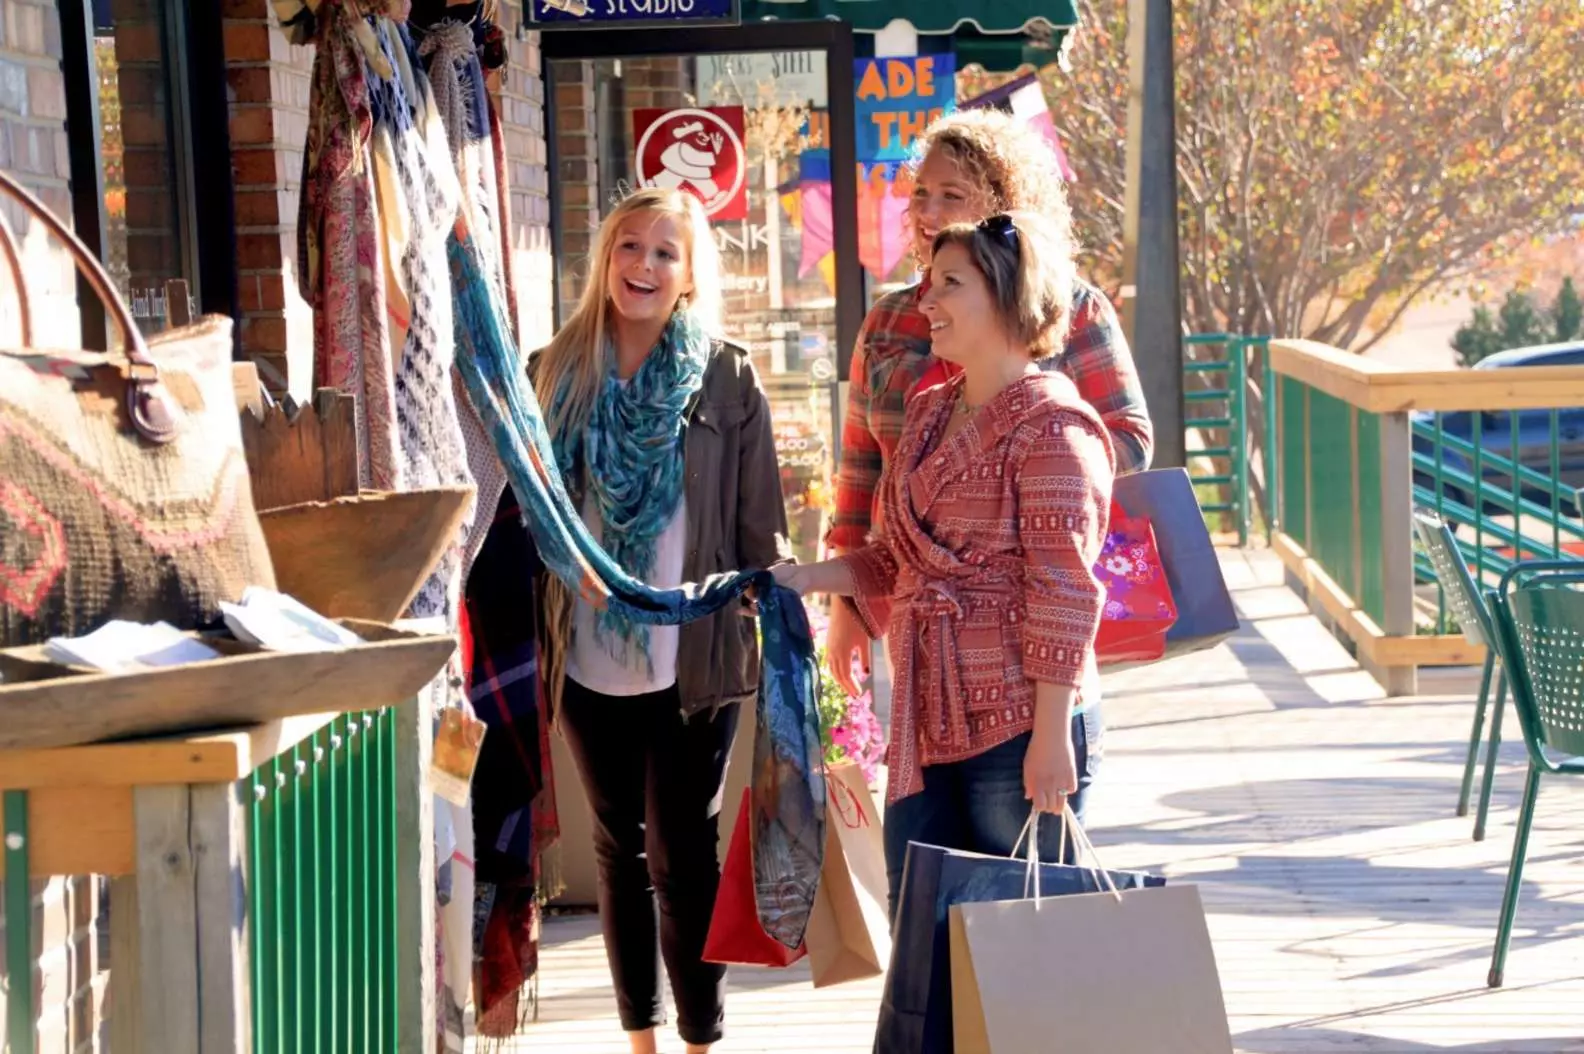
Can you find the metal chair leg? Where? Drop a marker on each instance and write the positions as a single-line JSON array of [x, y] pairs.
[[1490, 756], [1476, 733], [1514, 878]]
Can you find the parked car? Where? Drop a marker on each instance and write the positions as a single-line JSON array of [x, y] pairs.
[[1496, 436]]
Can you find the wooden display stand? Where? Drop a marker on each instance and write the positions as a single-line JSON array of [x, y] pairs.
[[164, 820]]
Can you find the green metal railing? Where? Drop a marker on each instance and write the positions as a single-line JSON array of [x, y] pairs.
[[1215, 393], [1330, 464], [1505, 500], [1356, 453], [322, 860]]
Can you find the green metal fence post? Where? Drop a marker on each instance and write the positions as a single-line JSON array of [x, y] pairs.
[[21, 1018], [1237, 384]]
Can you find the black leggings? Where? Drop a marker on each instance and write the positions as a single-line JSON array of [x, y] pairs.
[[654, 782]]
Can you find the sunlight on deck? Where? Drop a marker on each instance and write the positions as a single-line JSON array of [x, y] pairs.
[[1350, 909]]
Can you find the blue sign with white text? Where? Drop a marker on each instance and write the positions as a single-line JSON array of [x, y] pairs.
[[568, 14]]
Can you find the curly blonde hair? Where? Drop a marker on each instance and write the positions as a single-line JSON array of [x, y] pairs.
[[1011, 160]]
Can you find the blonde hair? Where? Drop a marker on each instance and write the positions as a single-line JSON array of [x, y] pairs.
[[575, 356], [1027, 263], [1012, 163]]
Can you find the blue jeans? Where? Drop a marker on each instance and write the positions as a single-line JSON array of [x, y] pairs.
[[978, 805]]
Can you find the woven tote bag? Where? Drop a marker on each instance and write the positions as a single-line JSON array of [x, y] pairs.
[[124, 491]]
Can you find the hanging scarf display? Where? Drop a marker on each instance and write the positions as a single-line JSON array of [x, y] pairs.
[[788, 779], [339, 260], [428, 422], [629, 458]]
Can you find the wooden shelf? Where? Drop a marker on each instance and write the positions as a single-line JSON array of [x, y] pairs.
[[80, 798]]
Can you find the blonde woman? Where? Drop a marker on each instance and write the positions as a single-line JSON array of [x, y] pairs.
[[994, 506], [662, 432]]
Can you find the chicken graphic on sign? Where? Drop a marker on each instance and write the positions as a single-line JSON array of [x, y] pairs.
[[699, 150]]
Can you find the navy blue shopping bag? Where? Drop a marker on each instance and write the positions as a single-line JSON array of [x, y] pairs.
[[916, 1010]]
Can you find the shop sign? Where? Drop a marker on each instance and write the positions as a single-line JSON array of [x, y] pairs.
[[570, 14], [697, 149], [897, 98], [780, 78]]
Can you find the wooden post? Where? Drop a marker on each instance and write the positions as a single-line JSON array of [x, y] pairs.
[[415, 878], [1397, 562], [179, 926]]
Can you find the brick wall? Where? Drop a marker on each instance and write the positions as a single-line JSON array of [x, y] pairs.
[[267, 85], [33, 149], [527, 180]]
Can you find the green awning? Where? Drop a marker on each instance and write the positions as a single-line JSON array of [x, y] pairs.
[[1013, 17], [1038, 46]]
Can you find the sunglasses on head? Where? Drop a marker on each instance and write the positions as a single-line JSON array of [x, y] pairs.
[[1002, 227]]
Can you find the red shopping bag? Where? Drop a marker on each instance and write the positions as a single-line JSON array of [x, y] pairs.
[[735, 935], [1139, 608]]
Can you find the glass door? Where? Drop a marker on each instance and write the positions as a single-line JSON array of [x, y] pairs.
[[746, 125]]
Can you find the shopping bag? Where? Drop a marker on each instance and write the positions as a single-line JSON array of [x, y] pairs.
[[1139, 609], [916, 1005], [735, 934], [1069, 975], [1205, 613], [848, 935]]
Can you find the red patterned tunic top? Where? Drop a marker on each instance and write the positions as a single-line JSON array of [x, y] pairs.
[[982, 574]]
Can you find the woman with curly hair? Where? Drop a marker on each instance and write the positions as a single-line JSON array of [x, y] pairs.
[[971, 165]]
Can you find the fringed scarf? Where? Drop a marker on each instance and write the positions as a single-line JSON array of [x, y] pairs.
[[629, 456]]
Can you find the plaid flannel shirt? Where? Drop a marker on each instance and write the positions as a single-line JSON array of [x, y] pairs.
[[893, 356]]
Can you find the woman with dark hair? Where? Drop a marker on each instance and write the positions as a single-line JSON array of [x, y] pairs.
[[993, 506]]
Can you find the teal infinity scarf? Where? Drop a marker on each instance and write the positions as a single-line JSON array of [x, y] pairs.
[[630, 459], [788, 774]]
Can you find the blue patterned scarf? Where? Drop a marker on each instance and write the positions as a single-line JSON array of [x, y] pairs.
[[788, 777], [630, 458]]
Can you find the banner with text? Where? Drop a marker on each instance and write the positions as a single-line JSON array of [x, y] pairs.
[[897, 98]]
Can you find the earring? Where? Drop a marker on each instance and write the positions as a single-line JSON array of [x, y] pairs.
[[682, 302]]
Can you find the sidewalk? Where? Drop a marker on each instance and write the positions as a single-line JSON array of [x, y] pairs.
[[1350, 909]]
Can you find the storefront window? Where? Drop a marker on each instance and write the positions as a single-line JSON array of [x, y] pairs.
[[145, 245]]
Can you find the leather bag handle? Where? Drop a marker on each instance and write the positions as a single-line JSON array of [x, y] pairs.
[[150, 414]]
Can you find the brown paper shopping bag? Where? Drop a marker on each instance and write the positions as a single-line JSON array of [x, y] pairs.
[[1128, 972], [848, 935]]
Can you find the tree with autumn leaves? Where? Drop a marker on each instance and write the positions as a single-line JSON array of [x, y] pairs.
[[1336, 159]]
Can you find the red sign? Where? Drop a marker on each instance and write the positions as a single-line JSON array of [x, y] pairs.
[[699, 150]]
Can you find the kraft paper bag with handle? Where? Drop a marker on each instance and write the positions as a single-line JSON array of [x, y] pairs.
[[1123, 971], [848, 934], [916, 1006]]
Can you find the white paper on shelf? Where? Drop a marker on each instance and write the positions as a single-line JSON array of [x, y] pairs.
[[277, 622], [120, 647]]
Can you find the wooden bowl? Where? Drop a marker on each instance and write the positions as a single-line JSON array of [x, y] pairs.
[[363, 557]]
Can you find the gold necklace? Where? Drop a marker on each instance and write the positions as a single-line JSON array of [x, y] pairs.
[[962, 404]]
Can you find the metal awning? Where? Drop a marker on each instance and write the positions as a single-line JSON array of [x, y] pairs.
[[927, 16]]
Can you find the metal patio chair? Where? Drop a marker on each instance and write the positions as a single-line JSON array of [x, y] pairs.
[[1468, 607], [1537, 619]]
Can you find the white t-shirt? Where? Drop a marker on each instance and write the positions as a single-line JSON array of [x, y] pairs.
[[589, 662]]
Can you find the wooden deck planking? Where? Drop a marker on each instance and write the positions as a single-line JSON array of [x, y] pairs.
[[1350, 909]]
